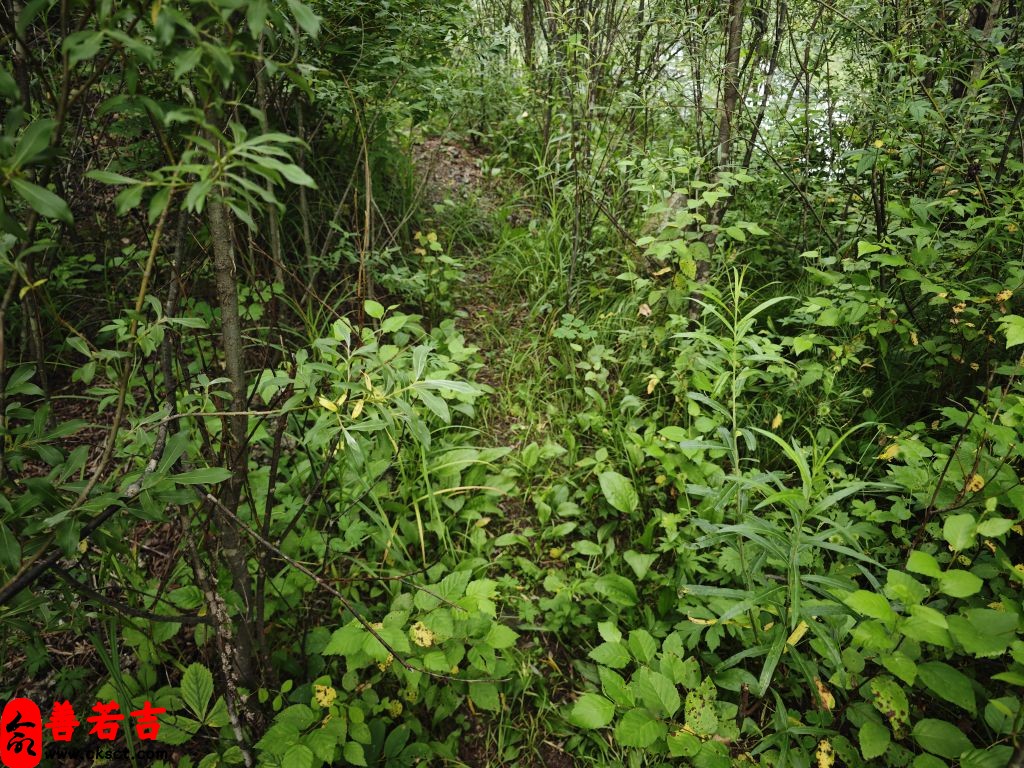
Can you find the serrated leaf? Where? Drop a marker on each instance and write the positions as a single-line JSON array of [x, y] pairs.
[[297, 756], [656, 691], [618, 589], [874, 739], [638, 728], [612, 655], [197, 689], [592, 711]]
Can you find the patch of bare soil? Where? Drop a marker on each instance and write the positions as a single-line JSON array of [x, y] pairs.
[[448, 170]]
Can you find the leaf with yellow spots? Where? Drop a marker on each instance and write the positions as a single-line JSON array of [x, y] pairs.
[[975, 484], [890, 453], [422, 635], [825, 698], [325, 695], [824, 754]]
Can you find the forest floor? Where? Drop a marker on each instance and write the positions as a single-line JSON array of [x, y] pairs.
[[495, 315]]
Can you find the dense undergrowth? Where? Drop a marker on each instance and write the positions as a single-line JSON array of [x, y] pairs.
[[612, 383]]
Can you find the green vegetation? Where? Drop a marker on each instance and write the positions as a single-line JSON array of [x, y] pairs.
[[633, 382]]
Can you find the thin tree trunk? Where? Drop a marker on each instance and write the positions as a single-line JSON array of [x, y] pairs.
[[236, 440], [773, 62], [727, 117]]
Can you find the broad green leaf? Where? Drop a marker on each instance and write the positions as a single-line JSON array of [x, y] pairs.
[[592, 711], [43, 201], [941, 738], [923, 563], [874, 739], [612, 655], [958, 583], [353, 753], [995, 526], [297, 756], [485, 696], [656, 691], [640, 563], [948, 683], [374, 309], [501, 636], [901, 666], [618, 589], [619, 491], [1013, 328], [614, 687], [347, 640], [197, 689], [683, 744], [674, 434], [638, 728], [305, 18], [33, 141], [870, 604], [643, 645], [959, 531], [903, 588]]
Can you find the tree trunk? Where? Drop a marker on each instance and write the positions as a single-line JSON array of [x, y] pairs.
[[236, 439], [726, 121]]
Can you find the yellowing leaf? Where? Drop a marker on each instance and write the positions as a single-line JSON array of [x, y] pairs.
[[976, 483], [644, 311], [824, 754], [358, 408], [422, 635], [328, 404], [879, 144], [890, 453], [27, 288], [796, 634], [827, 699], [651, 384], [325, 695], [704, 622], [777, 421]]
